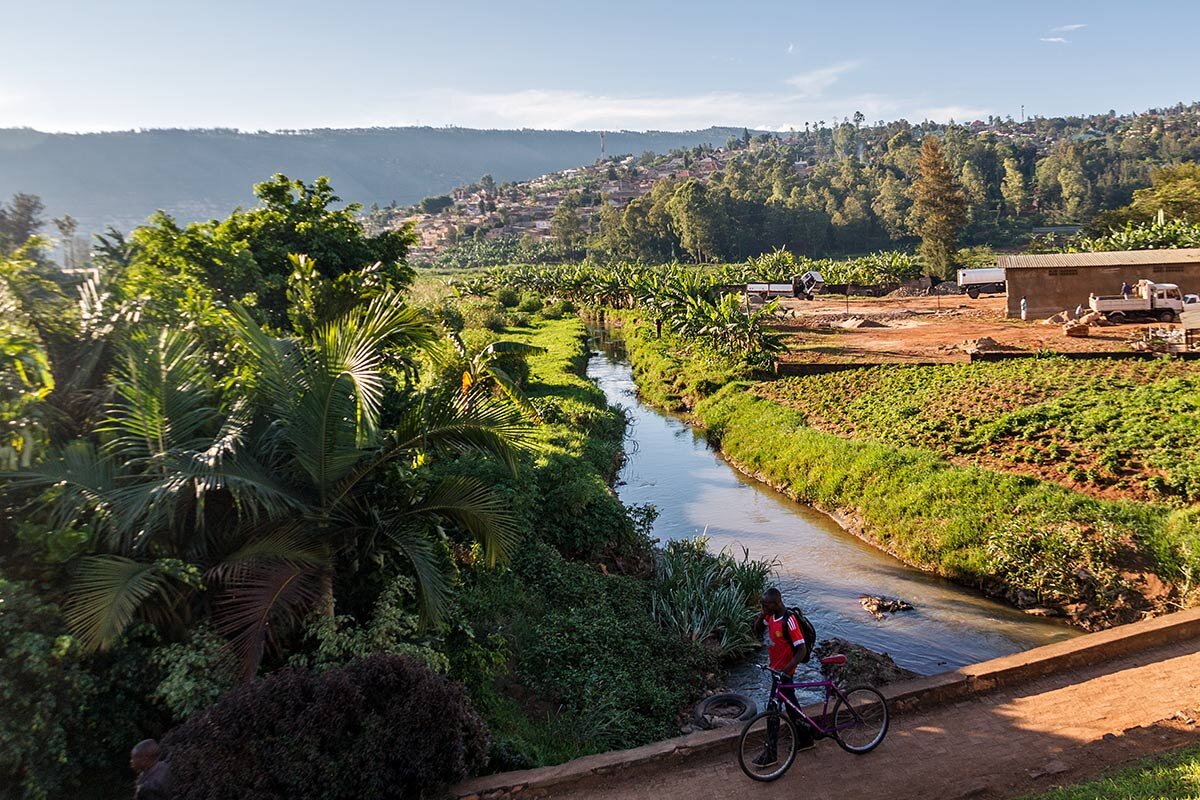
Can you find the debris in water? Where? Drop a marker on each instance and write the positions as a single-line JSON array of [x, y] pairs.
[[877, 604]]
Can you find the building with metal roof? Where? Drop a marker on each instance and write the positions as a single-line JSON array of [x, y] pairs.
[[1052, 282]]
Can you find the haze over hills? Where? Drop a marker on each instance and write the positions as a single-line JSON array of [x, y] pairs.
[[119, 178]]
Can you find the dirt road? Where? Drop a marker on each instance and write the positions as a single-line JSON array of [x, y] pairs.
[[1060, 729]]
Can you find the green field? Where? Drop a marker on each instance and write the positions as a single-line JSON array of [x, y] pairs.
[[1109, 428]]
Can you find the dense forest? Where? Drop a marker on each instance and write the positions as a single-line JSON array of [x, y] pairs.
[[120, 178]]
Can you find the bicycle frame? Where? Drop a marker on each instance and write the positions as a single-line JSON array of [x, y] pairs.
[[831, 690]]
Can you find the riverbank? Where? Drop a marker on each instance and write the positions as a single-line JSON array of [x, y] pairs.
[[1037, 544]]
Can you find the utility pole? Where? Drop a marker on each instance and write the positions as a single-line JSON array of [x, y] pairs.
[[601, 145], [1022, 112]]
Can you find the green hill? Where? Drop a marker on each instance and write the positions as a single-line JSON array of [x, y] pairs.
[[121, 177]]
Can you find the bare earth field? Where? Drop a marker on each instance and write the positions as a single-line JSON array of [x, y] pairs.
[[925, 330]]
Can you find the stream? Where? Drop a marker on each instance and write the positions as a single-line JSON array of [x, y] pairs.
[[822, 568]]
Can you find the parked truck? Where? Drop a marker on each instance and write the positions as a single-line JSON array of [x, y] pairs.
[[1146, 300], [981, 281]]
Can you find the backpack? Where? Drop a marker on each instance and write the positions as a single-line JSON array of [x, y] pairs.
[[807, 628]]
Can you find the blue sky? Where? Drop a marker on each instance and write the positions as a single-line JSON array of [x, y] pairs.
[[72, 65]]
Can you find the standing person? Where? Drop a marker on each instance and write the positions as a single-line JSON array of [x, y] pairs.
[[787, 650], [1024, 308], [1125, 289], [154, 774]]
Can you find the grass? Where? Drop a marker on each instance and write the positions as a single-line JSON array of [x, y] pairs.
[[1171, 777]]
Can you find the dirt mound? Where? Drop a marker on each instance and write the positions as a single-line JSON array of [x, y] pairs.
[[984, 344], [853, 323]]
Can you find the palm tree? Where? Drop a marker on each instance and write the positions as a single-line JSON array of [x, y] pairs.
[[487, 364], [238, 504]]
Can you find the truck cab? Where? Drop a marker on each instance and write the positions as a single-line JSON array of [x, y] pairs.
[[1161, 301]]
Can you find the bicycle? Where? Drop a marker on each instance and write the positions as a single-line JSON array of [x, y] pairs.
[[768, 746]]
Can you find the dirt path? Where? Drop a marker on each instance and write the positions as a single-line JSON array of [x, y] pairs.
[[1061, 729]]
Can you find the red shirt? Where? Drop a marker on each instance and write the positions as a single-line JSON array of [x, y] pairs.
[[781, 652]]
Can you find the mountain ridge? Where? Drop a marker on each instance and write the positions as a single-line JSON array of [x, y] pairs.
[[121, 177]]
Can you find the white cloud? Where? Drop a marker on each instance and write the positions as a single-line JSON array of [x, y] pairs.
[[814, 82], [561, 109], [1065, 28], [791, 48], [956, 113], [1055, 40]]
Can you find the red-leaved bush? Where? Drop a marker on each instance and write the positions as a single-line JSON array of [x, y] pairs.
[[384, 726]]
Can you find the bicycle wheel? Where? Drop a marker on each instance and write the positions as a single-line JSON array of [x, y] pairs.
[[767, 746], [860, 721]]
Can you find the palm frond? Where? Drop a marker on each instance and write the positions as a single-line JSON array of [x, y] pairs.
[[81, 479], [106, 595], [166, 400], [272, 596], [475, 507], [411, 538]]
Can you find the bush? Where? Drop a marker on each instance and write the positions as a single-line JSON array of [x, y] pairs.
[[507, 297], [382, 726], [556, 310], [43, 691], [530, 303], [708, 597]]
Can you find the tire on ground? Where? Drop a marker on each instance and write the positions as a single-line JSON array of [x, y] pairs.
[[703, 712]]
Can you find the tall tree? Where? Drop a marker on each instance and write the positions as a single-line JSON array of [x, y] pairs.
[[1013, 188], [20, 220], [939, 206]]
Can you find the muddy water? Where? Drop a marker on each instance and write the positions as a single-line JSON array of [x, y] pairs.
[[822, 568]]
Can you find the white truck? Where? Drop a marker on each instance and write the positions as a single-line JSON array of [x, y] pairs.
[[981, 281], [1146, 300]]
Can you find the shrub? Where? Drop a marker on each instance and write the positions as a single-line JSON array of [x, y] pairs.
[[709, 597], [197, 673], [530, 303], [43, 691], [382, 726], [507, 297]]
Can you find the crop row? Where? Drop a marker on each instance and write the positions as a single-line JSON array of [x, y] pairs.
[[1127, 426]]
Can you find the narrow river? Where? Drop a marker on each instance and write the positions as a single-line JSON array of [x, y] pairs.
[[822, 568]]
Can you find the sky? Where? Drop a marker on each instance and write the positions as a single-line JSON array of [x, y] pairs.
[[88, 65]]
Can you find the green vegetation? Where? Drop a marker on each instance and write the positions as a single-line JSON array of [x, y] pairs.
[[1173, 776], [240, 478], [1093, 425], [939, 206], [872, 445]]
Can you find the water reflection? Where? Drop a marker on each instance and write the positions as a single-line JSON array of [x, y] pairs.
[[823, 569]]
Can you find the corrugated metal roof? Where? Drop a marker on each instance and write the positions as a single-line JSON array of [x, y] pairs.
[[1119, 258]]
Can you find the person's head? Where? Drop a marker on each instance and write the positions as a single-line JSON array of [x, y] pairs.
[[144, 755], [772, 602]]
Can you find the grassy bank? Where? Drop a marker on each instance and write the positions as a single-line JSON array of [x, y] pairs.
[[1173, 776], [1033, 541], [562, 657]]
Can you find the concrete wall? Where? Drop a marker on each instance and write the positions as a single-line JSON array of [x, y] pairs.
[[1050, 290]]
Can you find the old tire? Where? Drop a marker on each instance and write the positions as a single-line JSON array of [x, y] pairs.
[[746, 708], [1116, 317]]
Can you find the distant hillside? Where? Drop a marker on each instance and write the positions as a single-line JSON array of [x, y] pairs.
[[120, 178]]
